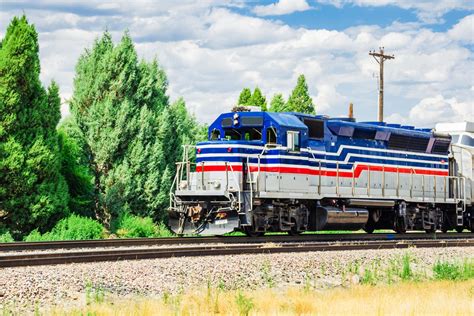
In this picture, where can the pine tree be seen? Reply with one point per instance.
(33, 193)
(258, 99)
(299, 100)
(278, 103)
(244, 97)
(132, 135)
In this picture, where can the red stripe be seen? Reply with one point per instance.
(342, 174)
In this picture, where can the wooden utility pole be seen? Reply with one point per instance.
(380, 58)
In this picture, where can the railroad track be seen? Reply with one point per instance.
(133, 242)
(51, 258)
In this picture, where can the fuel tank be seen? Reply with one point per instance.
(334, 218)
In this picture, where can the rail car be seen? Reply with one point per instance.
(290, 172)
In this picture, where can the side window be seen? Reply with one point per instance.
(215, 134)
(271, 135)
(293, 140)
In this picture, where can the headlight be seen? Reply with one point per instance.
(183, 184)
(217, 185)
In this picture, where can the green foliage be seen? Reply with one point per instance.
(406, 273)
(253, 99)
(299, 100)
(266, 274)
(131, 135)
(244, 97)
(74, 168)
(258, 99)
(277, 104)
(456, 271)
(73, 227)
(131, 226)
(244, 304)
(6, 237)
(33, 192)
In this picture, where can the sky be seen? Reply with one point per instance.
(211, 50)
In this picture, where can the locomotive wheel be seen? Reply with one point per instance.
(459, 229)
(444, 229)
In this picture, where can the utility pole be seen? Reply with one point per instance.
(380, 58)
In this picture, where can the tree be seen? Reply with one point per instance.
(130, 133)
(75, 169)
(258, 99)
(278, 103)
(299, 100)
(33, 192)
(244, 97)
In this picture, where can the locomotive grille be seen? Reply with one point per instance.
(402, 142)
(441, 146)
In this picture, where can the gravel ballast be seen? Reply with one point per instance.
(46, 286)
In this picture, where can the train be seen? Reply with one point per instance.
(262, 172)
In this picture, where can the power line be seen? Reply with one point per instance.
(380, 57)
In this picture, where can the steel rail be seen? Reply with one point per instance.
(131, 242)
(34, 259)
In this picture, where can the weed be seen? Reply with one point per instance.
(94, 294)
(244, 304)
(454, 270)
(266, 274)
(406, 273)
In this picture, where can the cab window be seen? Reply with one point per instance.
(215, 134)
(271, 135)
(253, 134)
(293, 140)
(232, 134)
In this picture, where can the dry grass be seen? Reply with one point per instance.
(406, 298)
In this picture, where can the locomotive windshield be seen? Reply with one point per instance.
(250, 134)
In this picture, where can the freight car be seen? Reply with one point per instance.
(291, 172)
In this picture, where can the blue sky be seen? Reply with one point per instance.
(212, 49)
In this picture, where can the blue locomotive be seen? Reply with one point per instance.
(291, 172)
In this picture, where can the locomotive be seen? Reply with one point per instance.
(264, 172)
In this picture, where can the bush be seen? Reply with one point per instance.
(6, 237)
(73, 227)
(131, 226)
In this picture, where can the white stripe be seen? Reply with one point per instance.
(345, 161)
(331, 169)
(338, 153)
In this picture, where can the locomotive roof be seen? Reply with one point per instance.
(294, 120)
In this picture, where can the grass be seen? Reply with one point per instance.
(407, 298)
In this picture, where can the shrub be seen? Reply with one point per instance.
(6, 237)
(73, 227)
(131, 226)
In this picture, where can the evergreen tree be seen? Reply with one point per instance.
(278, 103)
(258, 99)
(33, 193)
(244, 97)
(74, 168)
(299, 100)
(131, 134)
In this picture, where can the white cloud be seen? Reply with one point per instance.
(428, 11)
(432, 110)
(281, 7)
(464, 30)
(210, 52)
